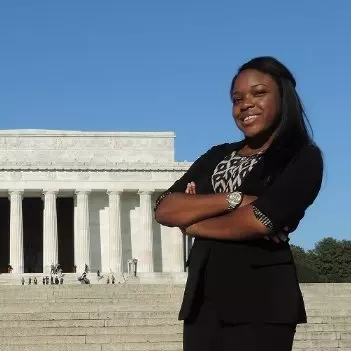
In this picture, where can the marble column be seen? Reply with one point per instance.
(177, 252)
(145, 259)
(50, 240)
(16, 231)
(82, 236)
(115, 234)
(75, 231)
(172, 249)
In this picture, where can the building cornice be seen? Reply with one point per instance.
(73, 133)
(123, 167)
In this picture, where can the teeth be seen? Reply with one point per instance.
(248, 118)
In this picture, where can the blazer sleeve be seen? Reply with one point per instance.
(294, 190)
(195, 171)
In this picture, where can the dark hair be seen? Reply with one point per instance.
(294, 125)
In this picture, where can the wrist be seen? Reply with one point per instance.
(234, 200)
(248, 199)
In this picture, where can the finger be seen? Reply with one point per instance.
(193, 188)
(187, 190)
(283, 237)
(276, 239)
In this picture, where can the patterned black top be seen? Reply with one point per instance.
(230, 173)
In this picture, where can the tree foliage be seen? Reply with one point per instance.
(329, 261)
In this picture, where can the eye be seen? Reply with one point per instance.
(236, 99)
(259, 92)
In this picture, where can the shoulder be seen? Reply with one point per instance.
(224, 148)
(214, 155)
(306, 164)
(309, 155)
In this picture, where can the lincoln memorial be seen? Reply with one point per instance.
(77, 198)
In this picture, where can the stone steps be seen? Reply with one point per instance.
(155, 342)
(302, 340)
(106, 310)
(89, 307)
(309, 332)
(109, 330)
(72, 278)
(87, 323)
(141, 317)
(171, 346)
(91, 339)
(327, 325)
(33, 316)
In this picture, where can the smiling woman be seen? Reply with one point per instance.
(241, 201)
(256, 103)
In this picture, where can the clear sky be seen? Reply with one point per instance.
(167, 65)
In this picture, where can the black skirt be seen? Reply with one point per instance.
(203, 331)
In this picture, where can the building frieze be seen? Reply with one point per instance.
(45, 148)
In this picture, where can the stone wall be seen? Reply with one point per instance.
(66, 148)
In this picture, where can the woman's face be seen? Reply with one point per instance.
(256, 102)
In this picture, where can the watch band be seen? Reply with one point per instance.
(234, 200)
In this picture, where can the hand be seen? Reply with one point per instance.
(278, 238)
(190, 189)
(188, 230)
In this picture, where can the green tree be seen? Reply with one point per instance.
(306, 271)
(332, 258)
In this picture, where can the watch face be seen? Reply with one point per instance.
(236, 197)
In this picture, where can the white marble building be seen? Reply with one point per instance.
(109, 180)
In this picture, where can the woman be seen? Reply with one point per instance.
(242, 291)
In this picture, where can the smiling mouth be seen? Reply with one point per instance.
(249, 119)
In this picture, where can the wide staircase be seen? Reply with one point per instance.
(133, 316)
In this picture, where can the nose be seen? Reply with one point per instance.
(247, 103)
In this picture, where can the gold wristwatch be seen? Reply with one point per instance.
(234, 200)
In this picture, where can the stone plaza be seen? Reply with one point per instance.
(86, 198)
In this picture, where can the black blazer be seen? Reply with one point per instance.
(254, 280)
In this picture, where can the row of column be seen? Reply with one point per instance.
(82, 233)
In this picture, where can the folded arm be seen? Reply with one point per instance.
(240, 224)
(177, 209)
(285, 201)
(182, 210)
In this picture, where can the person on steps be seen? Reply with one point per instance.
(240, 201)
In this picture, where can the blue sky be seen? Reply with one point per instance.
(166, 66)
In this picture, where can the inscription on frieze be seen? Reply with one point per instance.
(58, 148)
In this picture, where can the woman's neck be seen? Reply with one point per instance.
(257, 144)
